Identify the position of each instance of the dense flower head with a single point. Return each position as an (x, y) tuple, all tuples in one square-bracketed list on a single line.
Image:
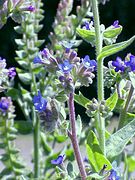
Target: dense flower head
[(113, 175), (116, 24), (131, 63), (40, 103), (12, 72), (58, 160), (119, 64), (65, 67), (90, 64)]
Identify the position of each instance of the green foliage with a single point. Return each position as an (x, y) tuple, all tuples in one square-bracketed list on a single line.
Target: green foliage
[(111, 101), (112, 32), (112, 49), (95, 155), (80, 99), (10, 158), (87, 35), (117, 141)]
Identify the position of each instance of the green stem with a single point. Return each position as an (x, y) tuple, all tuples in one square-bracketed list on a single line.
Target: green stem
[(100, 80), (126, 107)]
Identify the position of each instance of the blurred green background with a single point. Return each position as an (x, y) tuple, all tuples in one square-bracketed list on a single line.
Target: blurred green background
[(122, 10)]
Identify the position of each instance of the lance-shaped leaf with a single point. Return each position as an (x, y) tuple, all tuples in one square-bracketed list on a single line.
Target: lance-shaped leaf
[(80, 99), (114, 48), (117, 141), (95, 155), (112, 100), (112, 32), (87, 35)]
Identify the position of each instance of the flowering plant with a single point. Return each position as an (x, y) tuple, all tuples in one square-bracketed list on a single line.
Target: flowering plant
[(47, 90)]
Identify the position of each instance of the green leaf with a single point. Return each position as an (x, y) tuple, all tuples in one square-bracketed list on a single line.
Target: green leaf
[(117, 141), (131, 163), (17, 164), (4, 172), (47, 149), (114, 48), (60, 138), (25, 78), (112, 32), (132, 78), (12, 92), (21, 54), (95, 155), (24, 127), (70, 169), (112, 100), (87, 35), (80, 99)]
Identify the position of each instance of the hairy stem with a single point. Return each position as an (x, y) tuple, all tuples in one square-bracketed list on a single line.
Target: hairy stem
[(126, 107), (100, 80), (73, 137)]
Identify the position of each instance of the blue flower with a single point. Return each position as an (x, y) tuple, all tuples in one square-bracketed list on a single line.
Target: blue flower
[(66, 67), (58, 161), (131, 63), (12, 72), (88, 25), (113, 175), (40, 103), (37, 60), (119, 65), (116, 24), (89, 63), (4, 104)]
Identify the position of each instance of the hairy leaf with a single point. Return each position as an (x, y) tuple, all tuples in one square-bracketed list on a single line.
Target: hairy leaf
[(117, 141), (80, 99)]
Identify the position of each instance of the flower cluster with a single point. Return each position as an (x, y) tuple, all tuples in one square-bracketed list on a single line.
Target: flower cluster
[(40, 103), (71, 69), (47, 111), (127, 65)]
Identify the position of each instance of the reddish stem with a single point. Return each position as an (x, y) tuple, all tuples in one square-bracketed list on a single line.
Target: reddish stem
[(73, 137)]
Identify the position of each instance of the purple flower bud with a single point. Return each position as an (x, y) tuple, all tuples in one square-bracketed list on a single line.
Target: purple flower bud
[(45, 53), (119, 65), (66, 67), (116, 24), (92, 64), (31, 8), (67, 50), (62, 78), (4, 104), (40, 103), (73, 55), (113, 175), (37, 60), (131, 63), (12, 72), (58, 161)]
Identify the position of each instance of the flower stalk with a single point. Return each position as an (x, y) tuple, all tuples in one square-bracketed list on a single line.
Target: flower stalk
[(100, 80), (73, 137)]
